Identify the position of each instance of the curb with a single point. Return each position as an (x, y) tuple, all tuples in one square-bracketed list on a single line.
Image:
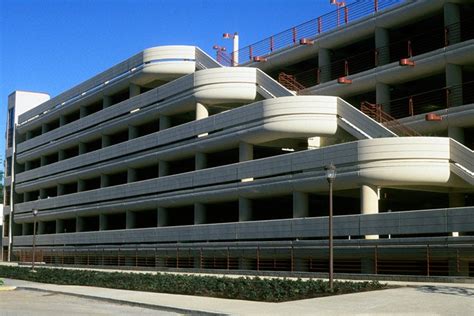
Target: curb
[(129, 303), (7, 288)]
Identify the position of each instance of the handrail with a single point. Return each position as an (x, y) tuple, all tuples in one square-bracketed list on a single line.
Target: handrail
[(375, 112), (290, 82), (415, 44), (313, 28)]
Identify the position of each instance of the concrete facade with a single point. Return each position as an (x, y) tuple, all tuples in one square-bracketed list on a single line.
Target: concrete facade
[(170, 147)]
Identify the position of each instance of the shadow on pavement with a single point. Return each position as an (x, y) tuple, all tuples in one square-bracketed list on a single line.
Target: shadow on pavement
[(450, 290)]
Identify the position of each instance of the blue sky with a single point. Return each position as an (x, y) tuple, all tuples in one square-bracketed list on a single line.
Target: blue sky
[(51, 45)]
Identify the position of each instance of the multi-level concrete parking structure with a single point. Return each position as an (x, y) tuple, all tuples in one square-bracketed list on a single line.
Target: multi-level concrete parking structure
[(171, 160)]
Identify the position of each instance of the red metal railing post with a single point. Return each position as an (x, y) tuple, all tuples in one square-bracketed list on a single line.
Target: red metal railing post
[(346, 15), (294, 35), (320, 25), (318, 75), (410, 50), (346, 68), (250, 52), (376, 57), (376, 5), (410, 106), (271, 44)]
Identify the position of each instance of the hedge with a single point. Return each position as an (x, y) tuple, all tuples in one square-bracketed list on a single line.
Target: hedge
[(245, 288)]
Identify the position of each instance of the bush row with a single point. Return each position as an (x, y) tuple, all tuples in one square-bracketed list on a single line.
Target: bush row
[(246, 288)]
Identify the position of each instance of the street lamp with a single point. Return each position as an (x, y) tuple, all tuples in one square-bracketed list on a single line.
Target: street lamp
[(235, 47), (219, 50), (330, 176), (35, 213)]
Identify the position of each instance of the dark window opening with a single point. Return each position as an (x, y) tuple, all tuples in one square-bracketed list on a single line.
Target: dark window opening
[(71, 152), (90, 223), (145, 173), (91, 184), (69, 226), (225, 157), (52, 158), (225, 212), (117, 178), (71, 117), (180, 216), (119, 96), (69, 188), (146, 218), (181, 166), (50, 192), (115, 221), (93, 145), (276, 207), (93, 108), (118, 137), (148, 128)]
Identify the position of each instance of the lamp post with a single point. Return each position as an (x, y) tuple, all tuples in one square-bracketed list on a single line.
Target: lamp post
[(35, 212), (235, 47), (219, 50), (330, 176)]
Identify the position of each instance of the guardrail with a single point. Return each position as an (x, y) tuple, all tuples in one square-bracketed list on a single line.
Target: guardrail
[(311, 29), (416, 259), (401, 51)]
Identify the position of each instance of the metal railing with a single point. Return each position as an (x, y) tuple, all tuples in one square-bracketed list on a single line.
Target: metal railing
[(417, 259), (311, 29), (407, 48), (431, 101), (375, 112)]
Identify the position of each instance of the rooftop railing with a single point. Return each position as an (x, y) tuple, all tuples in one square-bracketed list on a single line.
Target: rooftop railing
[(310, 29)]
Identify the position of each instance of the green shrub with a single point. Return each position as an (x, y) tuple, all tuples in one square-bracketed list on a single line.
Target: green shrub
[(246, 288), (1, 282)]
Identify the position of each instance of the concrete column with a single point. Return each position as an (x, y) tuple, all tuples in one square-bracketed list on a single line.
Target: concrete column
[(245, 152), (82, 148), (132, 132), (81, 185), (324, 62), (245, 209), (454, 82), (60, 189), (369, 203), (300, 204), (199, 213), (106, 101), (163, 168), (43, 161), (59, 226), (103, 222), (27, 165), (61, 155), (452, 15), (29, 135), (42, 194), (83, 112), (382, 41), (130, 220), (79, 224), (106, 141), (456, 199), (131, 175), (165, 122), (44, 128), (41, 228), (24, 229), (200, 161), (162, 217), (134, 90), (382, 96), (62, 120), (104, 181), (315, 142), (201, 113)]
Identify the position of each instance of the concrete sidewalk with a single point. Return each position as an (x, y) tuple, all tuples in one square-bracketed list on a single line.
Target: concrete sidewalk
[(427, 298)]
